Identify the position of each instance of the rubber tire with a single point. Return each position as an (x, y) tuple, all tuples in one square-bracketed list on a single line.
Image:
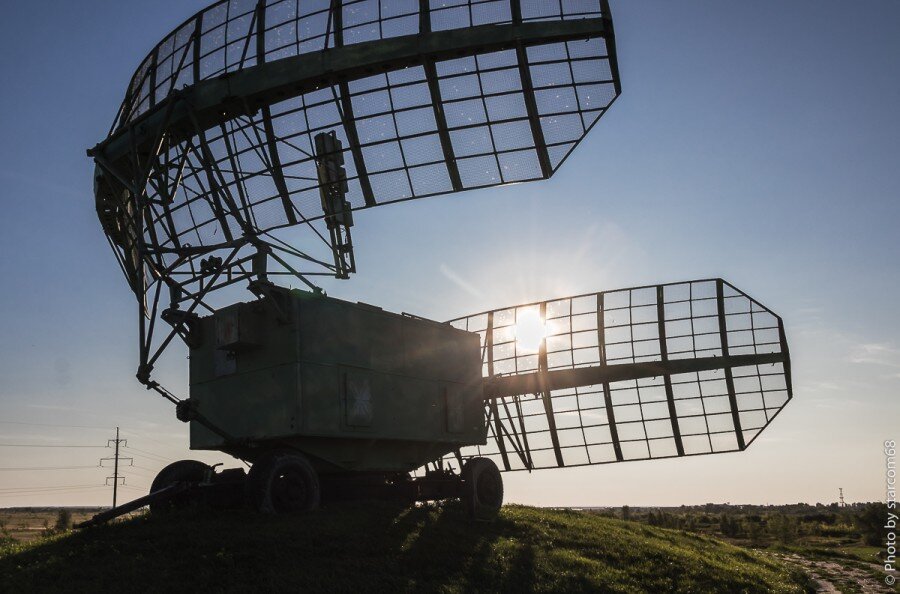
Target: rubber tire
[(183, 471), (483, 488), (283, 482)]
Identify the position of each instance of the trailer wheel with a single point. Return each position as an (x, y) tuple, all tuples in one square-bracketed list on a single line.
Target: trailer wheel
[(183, 471), (483, 488), (283, 482)]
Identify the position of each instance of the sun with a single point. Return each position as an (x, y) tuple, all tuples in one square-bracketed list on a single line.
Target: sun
[(530, 329)]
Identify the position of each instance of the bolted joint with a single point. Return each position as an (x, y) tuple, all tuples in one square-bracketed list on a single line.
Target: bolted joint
[(211, 265), (186, 411), (186, 324), (274, 297), (143, 373)]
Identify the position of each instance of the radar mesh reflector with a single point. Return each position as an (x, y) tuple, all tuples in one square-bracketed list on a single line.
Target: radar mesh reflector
[(652, 372), (215, 140)]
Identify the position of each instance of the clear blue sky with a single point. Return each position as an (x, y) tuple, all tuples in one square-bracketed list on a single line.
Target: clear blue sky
[(757, 141)]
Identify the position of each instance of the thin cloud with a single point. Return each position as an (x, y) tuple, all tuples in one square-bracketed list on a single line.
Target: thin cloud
[(53, 407), (587, 243), (460, 282), (822, 393), (876, 354)]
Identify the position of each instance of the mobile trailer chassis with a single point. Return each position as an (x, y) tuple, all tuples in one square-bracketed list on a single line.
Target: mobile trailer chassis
[(283, 484)]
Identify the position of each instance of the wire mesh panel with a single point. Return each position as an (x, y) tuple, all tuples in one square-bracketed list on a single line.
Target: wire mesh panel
[(214, 162), (652, 372), (233, 35), (215, 140), (423, 125), (251, 133)]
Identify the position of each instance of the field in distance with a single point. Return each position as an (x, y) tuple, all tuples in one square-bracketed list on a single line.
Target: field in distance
[(27, 524), (841, 547)]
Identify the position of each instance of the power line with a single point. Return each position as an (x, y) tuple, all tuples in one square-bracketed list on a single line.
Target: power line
[(59, 488), (118, 481), (56, 492), (143, 473), (17, 468), (148, 453), (11, 489), (54, 425), (39, 445), (146, 436), (149, 456), (145, 468), (149, 459)]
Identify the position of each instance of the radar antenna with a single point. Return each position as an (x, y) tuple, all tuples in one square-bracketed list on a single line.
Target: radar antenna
[(249, 136), (248, 141)]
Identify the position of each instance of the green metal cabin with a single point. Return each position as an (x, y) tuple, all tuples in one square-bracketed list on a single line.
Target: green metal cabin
[(353, 387)]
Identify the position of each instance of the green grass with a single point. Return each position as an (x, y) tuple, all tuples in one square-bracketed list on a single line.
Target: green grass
[(378, 547)]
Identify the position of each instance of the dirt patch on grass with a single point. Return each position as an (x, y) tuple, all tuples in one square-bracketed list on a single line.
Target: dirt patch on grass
[(831, 576)]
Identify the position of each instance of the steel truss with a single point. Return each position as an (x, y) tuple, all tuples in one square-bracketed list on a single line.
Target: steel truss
[(250, 134), (651, 372)]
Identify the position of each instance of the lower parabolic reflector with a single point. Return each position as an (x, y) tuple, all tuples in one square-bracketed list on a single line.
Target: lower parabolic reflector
[(634, 374)]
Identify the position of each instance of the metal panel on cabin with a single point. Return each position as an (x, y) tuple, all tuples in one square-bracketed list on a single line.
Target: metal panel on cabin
[(346, 371), (262, 404)]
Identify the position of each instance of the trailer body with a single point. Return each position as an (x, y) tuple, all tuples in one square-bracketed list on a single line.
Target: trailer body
[(352, 386)]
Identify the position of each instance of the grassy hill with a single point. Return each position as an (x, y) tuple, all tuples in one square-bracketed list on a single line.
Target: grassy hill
[(378, 547)]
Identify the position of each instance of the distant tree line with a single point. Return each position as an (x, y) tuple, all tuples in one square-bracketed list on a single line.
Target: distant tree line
[(784, 524)]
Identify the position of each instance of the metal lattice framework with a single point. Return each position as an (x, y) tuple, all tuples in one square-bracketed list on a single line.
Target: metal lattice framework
[(217, 170), (651, 372)]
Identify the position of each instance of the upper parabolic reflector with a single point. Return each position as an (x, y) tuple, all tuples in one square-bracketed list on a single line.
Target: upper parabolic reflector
[(215, 142)]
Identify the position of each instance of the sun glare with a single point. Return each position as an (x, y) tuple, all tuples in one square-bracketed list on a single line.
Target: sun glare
[(530, 329)]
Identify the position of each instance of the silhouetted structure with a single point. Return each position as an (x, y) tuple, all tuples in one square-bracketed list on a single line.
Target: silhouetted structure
[(247, 140)]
